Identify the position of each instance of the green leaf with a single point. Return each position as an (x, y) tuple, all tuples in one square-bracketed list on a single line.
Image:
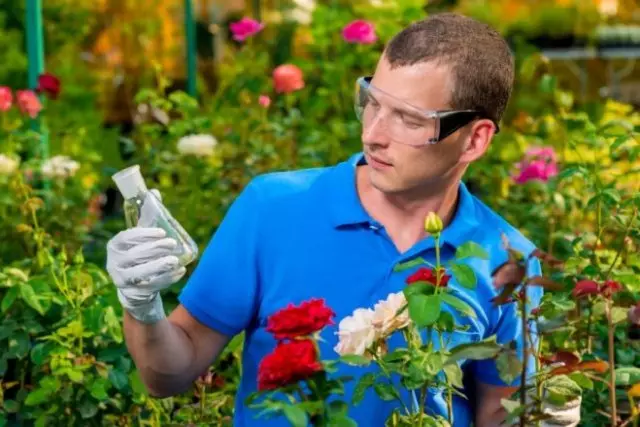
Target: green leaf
[(459, 305), (296, 416), (37, 396), (582, 380), (481, 350), (386, 391), (99, 389), (547, 84), (620, 140), (464, 275), (509, 366), (51, 384), (355, 359), (618, 314), (29, 296), (8, 299), (410, 264), (18, 345), (570, 171), (40, 352), (454, 374), (11, 406), (338, 408), (74, 375), (510, 405), (136, 383), (418, 288), (424, 310), (361, 387), (88, 409), (118, 379), (471, 249), (113, 324), (626, 376), (561, 389)]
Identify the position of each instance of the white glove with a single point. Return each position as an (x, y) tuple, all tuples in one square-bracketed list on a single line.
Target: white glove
[(567, 415), (141, 264)]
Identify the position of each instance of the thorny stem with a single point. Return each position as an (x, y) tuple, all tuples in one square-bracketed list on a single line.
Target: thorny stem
[(612, 368), (626, 234), (525, 356)]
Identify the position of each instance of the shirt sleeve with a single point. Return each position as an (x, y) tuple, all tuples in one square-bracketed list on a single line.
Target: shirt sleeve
[(222, 291), (509, 329)]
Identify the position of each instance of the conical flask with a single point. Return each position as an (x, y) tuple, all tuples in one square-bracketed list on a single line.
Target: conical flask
[(142, 208)]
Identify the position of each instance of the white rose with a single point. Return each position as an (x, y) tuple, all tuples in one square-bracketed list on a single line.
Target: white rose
[(8, 165), (197, 145), (384, 317), (356, 333), (59, 167)]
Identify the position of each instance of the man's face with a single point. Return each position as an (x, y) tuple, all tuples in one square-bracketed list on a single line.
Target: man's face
[(397, 167)]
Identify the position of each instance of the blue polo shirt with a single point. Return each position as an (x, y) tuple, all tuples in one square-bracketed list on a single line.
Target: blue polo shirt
[(292, 236)]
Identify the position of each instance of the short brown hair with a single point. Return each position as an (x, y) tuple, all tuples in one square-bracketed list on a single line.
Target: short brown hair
[(480, 59)]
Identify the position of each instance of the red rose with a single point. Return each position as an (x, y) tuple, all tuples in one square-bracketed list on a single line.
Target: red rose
[(289, 363), (585, 287), (429, 275), (610, 287), (296, 321), (49, 84)]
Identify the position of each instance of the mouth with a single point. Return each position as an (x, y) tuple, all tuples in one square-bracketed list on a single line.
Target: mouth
[(377, 162)]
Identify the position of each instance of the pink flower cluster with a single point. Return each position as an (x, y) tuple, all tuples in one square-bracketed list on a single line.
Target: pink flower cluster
[(539, 163), (27, 100), (245, 28), (360, 32)]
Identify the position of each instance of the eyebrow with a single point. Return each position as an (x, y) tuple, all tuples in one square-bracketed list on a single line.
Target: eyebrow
[(407, 113)]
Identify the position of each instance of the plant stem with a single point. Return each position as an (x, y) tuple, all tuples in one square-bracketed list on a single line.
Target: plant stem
[(626, 234), (525, 356), (612, 367)]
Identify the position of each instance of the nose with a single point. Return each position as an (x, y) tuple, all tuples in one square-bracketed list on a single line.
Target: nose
[(375, 131)]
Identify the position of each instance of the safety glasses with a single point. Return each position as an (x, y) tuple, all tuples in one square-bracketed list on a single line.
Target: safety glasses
[(404, 122)]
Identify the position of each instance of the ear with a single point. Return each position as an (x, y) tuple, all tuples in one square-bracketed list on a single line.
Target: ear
[(478, 140)]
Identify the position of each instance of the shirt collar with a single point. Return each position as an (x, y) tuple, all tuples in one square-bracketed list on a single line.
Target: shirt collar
[(346, 208)]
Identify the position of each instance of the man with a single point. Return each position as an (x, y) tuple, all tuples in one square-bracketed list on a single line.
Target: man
[(430, 109)]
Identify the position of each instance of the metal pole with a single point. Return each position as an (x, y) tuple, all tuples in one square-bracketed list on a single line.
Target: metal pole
[(35, 53), (190, 31), (257, 13)]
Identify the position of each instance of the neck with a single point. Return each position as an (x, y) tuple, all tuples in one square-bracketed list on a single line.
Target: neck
[(403, 214)]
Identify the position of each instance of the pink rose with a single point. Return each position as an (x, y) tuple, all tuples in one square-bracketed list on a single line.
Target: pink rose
[(244, 28), (29, 103), (539, 163), (264, 100), (6, 98), (359, 31), (287, 78)]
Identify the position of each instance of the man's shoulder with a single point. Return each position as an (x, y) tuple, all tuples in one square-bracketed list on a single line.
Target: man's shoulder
[(272, 187), (495, 227)]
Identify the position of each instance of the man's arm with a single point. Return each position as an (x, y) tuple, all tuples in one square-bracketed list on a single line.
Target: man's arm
[(171, 353), (489, 411)]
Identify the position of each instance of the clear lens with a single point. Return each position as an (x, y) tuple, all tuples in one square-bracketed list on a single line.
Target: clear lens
[(402, 122)]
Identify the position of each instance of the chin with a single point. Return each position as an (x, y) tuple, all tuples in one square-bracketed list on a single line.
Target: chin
[(384, 183)]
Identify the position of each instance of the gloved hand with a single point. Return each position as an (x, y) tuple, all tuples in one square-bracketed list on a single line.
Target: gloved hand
[(567, 415), (141, 264)]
